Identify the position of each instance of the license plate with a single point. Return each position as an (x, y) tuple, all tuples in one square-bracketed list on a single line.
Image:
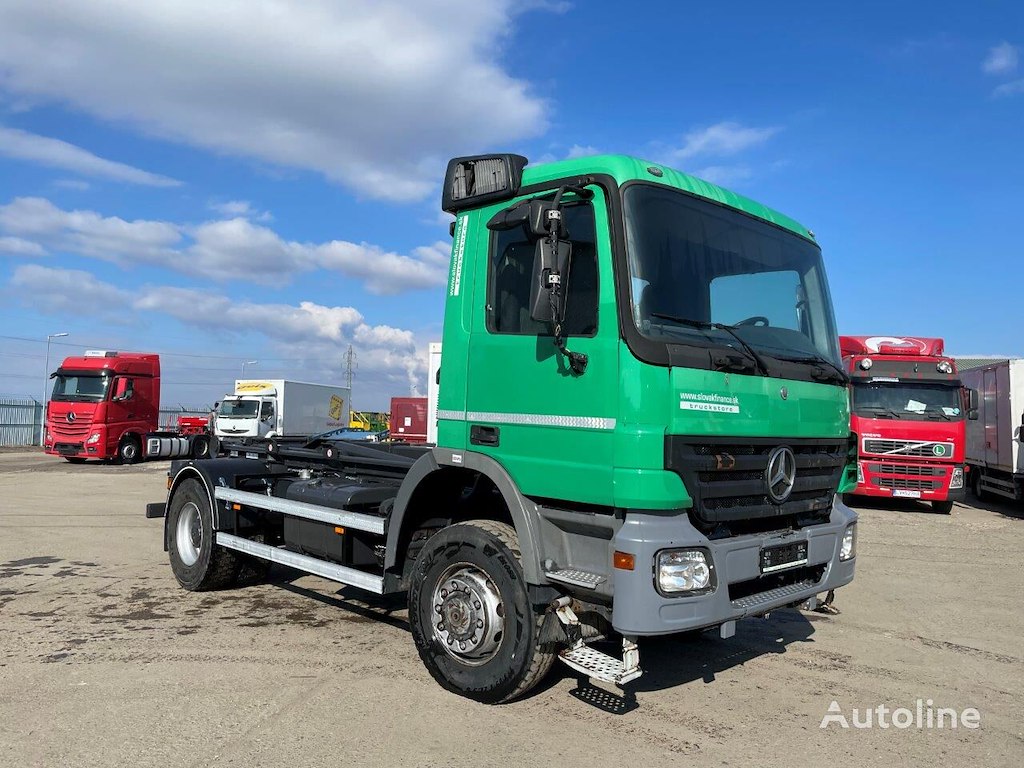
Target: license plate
[(251, 455), (901, 494), (783, 556)]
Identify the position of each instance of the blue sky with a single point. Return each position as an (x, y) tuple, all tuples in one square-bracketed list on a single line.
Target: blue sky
[(260, 180)]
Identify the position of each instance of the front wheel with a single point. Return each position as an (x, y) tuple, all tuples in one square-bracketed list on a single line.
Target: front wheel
[(197, 561), (942, 507), (471, 616), (129, 451), (201, 447)]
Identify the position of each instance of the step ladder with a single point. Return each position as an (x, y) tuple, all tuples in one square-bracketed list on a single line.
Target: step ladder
[(590, 661)]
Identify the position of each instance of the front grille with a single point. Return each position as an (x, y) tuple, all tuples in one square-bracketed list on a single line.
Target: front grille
[(726, 478), (71, 431), (909, 448), (920, 470), (906, 483)]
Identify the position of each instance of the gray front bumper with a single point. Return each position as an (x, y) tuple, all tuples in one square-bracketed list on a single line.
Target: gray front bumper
[(639, 609)]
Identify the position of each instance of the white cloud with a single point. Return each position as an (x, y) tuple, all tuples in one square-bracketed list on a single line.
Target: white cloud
[(1009, 89), (227, 249), (16, 246), (372, 95), (577, 151), (243, 208), (720, 140), (308, 332), (55, 153), (1001, 60)]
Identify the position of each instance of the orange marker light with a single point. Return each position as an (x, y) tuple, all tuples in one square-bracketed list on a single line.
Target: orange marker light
[(338, 529), (236, 507), (624, 561)]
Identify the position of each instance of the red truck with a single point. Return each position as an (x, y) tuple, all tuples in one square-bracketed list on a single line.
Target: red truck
[(408, 420), (908, 410), (106, 405)]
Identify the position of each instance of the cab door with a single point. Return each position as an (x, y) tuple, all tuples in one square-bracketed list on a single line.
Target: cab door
[(551, 429)]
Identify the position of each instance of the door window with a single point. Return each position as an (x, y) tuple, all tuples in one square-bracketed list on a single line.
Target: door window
[(510, 275)]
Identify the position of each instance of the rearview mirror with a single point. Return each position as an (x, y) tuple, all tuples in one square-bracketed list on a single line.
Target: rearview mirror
[(532, 215), (972, 404), (546, 262)]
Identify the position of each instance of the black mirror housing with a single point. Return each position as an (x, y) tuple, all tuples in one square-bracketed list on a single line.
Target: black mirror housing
[(545, 262)]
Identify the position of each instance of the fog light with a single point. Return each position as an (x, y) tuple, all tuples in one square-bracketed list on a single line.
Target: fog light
[(860, 471), (957, 479), (683, 570), (848, 549), (866, 364), (93, 438)]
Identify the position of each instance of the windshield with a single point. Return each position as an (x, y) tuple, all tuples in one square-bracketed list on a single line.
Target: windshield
[(79, 388), (239, 409), (906, 401), (692, 260)]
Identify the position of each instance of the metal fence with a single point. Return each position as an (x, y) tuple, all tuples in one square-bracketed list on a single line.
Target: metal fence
[(20, 419)]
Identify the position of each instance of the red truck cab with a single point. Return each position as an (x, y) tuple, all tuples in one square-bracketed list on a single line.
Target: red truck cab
[(908, 411), (103, 406)]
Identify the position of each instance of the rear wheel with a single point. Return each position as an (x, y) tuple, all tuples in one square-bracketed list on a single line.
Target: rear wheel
[(942, 507), (201, 447), (129, 451), (197, 561), (471, 616)]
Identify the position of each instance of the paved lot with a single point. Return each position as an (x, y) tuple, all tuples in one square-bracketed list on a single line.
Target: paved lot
[(104, 661)]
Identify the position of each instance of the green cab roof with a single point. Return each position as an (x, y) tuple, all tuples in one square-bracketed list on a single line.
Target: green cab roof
[(624, 168)]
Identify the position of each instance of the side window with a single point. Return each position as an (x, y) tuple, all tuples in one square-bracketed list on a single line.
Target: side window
[(510, 271), (266, 411), (124, 388)]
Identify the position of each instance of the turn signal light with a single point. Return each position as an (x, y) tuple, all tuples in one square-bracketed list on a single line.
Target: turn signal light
[(624, 561)]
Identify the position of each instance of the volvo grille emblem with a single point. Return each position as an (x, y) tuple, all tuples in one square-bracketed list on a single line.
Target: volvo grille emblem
[(781, 474), (70, 417), (784, 392)]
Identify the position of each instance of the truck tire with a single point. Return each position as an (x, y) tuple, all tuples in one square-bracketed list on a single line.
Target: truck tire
[(130, 450), (943, 507), (201, 447), (471, 617), (198, 563)]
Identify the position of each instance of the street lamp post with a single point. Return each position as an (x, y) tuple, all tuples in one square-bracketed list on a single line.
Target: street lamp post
[(248, 362), (46, 382)]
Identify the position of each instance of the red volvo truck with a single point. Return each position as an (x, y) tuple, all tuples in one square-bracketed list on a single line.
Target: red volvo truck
[(106, 405), (908, 411)]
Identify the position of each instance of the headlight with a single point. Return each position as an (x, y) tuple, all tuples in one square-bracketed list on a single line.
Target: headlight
[(957, 480), (684, 570), (943, 366), (93, 438), (860, 471), (866, 364), (848, 549)]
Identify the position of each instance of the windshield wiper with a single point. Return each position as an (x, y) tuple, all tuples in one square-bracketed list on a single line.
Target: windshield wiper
[(932, 413), (887, 411), (726, 361), (836, 374)]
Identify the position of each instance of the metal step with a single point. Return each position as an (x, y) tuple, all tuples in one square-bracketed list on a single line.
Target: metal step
[(598, 665), (331, 571), (342, 517), (576, 578)]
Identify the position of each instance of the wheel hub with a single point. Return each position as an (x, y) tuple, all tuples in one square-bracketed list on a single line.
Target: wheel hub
[(469, 618), (189, 534)]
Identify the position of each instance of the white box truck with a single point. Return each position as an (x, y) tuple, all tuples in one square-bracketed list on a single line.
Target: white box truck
[(995, 454), (279, 408), (433, 385)]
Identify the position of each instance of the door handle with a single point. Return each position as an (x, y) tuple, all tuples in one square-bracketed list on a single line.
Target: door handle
[(481, 435)]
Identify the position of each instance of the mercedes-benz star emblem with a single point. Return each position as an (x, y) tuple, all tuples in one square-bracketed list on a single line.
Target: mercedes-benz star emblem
[(781, 473), (70, 417)]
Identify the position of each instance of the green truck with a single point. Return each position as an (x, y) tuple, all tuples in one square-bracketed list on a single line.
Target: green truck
[(643, 429)]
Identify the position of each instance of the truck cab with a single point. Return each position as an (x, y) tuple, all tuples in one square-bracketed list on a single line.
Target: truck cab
[(103, 405), (252, 416), (909, 411), (642, 428)]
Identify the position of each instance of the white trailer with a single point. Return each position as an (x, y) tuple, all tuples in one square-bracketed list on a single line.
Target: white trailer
[(280, 408), (995, 453)]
